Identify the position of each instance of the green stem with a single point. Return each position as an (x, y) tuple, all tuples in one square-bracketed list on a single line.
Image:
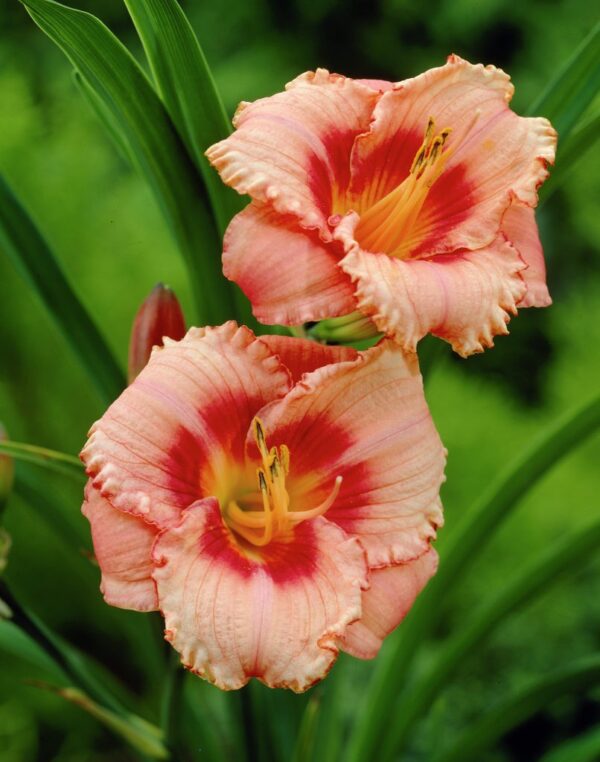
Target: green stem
[(467, 540)]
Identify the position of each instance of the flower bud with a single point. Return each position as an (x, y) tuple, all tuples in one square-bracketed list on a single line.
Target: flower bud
[(160, 315), (346, 329), (7, 472)]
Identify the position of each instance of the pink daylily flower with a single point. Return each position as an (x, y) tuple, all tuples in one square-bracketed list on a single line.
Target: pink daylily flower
[(253, 492), (411, 202)]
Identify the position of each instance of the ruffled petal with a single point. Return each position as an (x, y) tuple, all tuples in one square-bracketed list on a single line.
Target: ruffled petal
[(520, 227), (367, 421), (495, 155), (123, 549), (164, 442), (465, 298), (301, 356), (289, 274), (277, 616), (388, 600), (293, 148)]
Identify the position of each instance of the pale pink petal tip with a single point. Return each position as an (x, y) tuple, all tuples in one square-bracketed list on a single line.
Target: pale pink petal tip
[(278, 619), (391, 594), (123, 550)]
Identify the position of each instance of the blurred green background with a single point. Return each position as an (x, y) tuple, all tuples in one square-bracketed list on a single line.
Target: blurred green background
[(102, 223)]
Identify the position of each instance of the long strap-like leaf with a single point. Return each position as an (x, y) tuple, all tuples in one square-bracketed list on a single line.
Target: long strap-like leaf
[(497, 721), (583, 748), (152, 141), (188, 90), (42, 456), (24, 244), (464, 544), (573, 88), (534, 579)]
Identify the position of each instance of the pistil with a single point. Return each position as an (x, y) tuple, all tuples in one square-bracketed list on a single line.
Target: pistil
[(259, 527)]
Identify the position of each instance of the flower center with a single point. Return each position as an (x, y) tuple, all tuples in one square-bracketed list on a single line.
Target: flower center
[(263, 514), (387, 225)]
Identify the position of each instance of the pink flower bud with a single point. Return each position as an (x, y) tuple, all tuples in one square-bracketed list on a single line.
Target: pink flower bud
[(160, 315)]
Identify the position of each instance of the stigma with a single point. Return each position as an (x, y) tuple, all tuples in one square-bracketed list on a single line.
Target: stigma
[(266, 512), (386, 227)]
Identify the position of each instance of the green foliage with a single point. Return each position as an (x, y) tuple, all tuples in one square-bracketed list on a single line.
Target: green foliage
[(78, 189), (187, 88), (575, 86), (42, 456), (500, 719), (144, 127), (22, 242)]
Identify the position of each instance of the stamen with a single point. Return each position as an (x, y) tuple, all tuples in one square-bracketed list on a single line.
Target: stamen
[(387, 225), (297, 516), (259, 527)]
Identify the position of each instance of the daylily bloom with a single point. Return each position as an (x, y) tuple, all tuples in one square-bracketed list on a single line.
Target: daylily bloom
[(411, 202), (252, 490)]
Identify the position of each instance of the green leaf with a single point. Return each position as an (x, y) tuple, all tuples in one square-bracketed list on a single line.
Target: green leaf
[(23, 243), (329, 726), (570, 152), (305, 740), (42, 456), (534, 579), (14, 642), (50, 508), (105, 117), (139, 733), (584, 748), (464, 543), (77, 668), (498, 720), (573, 88), (187, 88), (111, 72)]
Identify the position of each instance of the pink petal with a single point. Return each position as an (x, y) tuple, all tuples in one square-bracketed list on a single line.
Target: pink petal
[(123, 549), (275, 616), (163, 443), (366, 421), (288, 273), (465, 298), (377, 84), (496, 155), (301, 356), (388, 600), (292, 149), (520, 227)]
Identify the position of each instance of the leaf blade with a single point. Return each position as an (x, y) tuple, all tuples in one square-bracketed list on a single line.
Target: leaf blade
[(467, 540), (188, 90), (573, 88), (42, 456), (152, 141), (498, 720), (32, 257), (535, 578)]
